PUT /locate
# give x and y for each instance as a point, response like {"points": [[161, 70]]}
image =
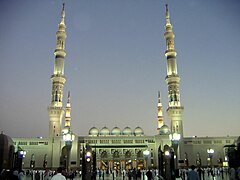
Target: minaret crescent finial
{"points": [[159, 97], [167, 12], [63, 8], [63, 14], [68, 97]]}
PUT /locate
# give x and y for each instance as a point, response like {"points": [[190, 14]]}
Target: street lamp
{"points": [[89, 163], [169, 163], [68, 137], [210, 155], [18, 158], [175, 138], [146, 154], [198, 161], [88, 156]]}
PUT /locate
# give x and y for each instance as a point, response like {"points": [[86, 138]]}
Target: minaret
{"points": [[66, 128], [68, 112], [160, 113], [174, 110], [56, 109]]}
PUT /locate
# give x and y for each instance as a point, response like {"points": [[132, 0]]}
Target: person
{"points": [[21, 175], [3, 174], [15, 174], [59, 175], [37, 175], [238, 172], [199, 170], [139, 174], [192, 174], [149, 174], [46, 174], [232, 173]]}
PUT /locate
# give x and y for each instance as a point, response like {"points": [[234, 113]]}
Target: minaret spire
{"points": [[160, 112], [174, 110], [167, 15], [56, 109], [62, 23]]}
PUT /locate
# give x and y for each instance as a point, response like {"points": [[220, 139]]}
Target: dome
{"points": [[164, 130], [127, 131], [93, 131], [104, 131], [5, 140], [116, 131], [138, 131], [6, 151]]}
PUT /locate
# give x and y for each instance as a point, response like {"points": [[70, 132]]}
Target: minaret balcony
{"points": [[171, 108], [60, 52], [170, 52], [58, 78], [172, 78]]}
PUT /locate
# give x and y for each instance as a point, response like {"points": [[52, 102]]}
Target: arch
{"points": [[128, 154], [116, 154], [140, 154], [104, 155]]}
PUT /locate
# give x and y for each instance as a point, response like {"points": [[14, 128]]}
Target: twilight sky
{"points": [[115, 64]]}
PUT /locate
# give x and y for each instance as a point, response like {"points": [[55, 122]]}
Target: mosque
{"points": [[120, 148]]}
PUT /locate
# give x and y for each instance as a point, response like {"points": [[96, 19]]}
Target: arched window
{"points": [[104, 154], [128, 154], [116, 154]]}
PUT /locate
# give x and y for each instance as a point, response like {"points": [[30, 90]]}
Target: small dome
{"points": [[127, 131], [116, 131], [138, 131], [164, 130], [104, 131], [93, 131]]}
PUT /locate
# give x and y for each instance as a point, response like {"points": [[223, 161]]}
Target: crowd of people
{"points": [[46, 174], [192, 173]]}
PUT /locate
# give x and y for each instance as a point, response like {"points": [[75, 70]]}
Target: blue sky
{"points": [[115, 64]]}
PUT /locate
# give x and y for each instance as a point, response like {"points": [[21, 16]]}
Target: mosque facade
{"points": [[119, 148]]}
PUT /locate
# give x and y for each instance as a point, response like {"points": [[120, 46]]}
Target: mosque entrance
{"points": [[116, 165], [140, 164], [129, 164]]}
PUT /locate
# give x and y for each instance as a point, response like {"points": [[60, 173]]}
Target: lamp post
{"points": [[146, 154], [210, 155], [169, 163], [160, 162], [175, 138], [88, 169], [68, 137], [186, 159], [18, 157], [198, 160]]}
